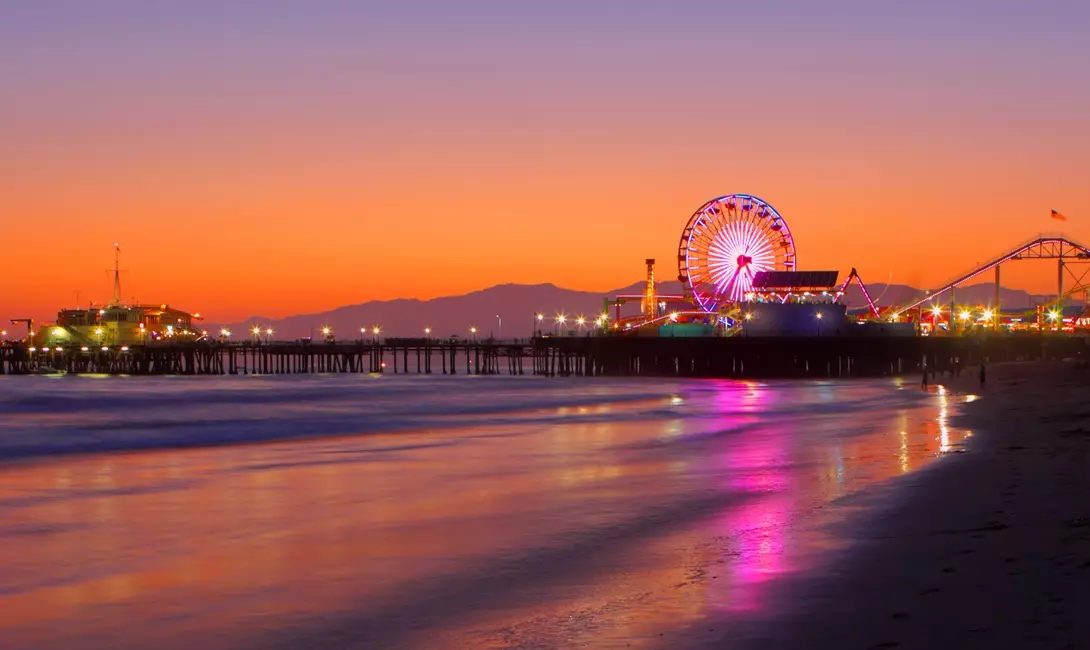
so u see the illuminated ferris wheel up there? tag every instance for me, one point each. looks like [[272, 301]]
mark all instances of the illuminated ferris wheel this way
[[726, 242]]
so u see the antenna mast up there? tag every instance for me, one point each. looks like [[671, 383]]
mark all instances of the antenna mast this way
[[117, 276]]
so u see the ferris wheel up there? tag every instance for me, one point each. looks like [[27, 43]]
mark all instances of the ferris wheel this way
[[726, 242]]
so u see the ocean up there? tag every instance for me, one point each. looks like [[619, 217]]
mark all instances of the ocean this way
[[355, 511]]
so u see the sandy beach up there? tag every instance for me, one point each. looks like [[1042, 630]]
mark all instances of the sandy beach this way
[[988, 549]]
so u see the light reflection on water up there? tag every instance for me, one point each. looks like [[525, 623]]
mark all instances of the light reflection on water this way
[[599, 524]]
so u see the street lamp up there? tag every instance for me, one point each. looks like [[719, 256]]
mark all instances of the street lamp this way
[[819, 317], [537, 325], [499, 327], [268, 334], [256, 331], [375, 331], [427, 332], [473, 331], [560, 322], [225, 333]]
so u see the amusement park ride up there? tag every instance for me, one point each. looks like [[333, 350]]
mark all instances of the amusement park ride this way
[[738, 269], [736, 252]]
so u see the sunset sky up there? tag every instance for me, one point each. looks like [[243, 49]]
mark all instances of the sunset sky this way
[[280, 157]]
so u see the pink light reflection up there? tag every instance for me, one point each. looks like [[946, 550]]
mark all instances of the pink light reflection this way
[[736, 396], [760, 533], [756, 464]]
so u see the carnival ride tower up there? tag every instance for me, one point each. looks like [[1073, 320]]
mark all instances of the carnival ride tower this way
[[649, 290]]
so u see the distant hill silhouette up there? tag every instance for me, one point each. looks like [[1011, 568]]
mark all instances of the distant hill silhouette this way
[[517, 304]]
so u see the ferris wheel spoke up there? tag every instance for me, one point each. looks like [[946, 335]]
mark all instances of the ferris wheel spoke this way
[[729, 286], [763, 250], [721, 245], [706, 236], [720, 276]]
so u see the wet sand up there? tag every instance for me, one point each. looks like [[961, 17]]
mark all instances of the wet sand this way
[[989, 549]]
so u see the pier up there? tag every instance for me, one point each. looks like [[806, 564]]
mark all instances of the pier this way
[[602, 356]]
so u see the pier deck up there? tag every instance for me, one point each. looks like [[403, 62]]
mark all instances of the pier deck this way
[[582, 356]]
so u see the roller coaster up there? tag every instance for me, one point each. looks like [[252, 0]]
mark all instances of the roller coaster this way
[[1069, 254]]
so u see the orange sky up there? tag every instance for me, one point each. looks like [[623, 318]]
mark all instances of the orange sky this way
[[296, 161]]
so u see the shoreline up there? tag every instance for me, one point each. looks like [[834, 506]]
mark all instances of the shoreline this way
[[989, 549]]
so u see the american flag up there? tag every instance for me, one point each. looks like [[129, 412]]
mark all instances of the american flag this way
[[1057, 215]]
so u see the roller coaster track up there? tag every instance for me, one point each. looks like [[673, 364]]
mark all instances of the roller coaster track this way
[[1043, 247]]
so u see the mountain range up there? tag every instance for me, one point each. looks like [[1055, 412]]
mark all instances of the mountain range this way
[[510, 310]]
